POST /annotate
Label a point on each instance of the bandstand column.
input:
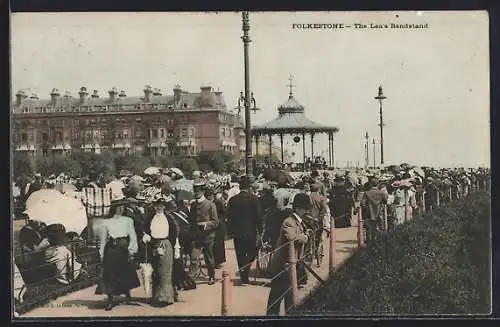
(304, 148)
(312, 147)
(333, 153)
(282, 154)
(257, 147)
(270, 149)
(330, 149)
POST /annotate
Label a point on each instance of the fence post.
(226, 294)
(292, 266)
(450, 194)
(406, 205)
(438, 194)
(333, 246)
(386, 224)
(423, 201)
(72, 260)
(361, 231)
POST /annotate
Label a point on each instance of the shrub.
(437, 264)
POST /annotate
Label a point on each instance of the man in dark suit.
(292, 230)
(245, 217)
(204, 221)
(372, 209)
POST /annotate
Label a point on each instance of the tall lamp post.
(380, 97)
(247, 97)
(367, 150)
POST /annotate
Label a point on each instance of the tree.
(217, 161)
(22, 164)
(164, 161)
(187, 165)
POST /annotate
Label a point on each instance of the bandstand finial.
(290, 85)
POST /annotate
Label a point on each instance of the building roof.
(69, 103)
(291, 119)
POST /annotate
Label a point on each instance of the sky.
(436, 79)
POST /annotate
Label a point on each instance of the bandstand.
(292, 121)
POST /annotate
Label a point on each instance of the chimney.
(54, 95)
(83, 94)
(20, 96)
(34, 96)
(112, 94)
(177, 93)
(148, 91)
(157, 92)
(95, 94)
(122, 94)
(205, 91)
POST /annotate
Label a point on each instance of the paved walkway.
(249, 300)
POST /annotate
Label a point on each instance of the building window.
(184, 132)
(138, 133)
(45, 137)
(162, 133)
(58, 136)
(125, 134)
(154, 133)
(31, 136)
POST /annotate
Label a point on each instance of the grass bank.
(437, 264)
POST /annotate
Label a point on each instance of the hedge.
(439, 263)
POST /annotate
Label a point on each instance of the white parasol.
(419, 171)
(147, 274)
(137, 178)
(152, 171)
(177, 171)
(68, 211)
(44, 194)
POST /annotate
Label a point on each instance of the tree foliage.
(80, 163)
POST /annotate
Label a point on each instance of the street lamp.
(367, 150)
(241, 100)
(380, 97)
(247, 99)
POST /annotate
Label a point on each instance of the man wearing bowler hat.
(204, 220)
(244, 214)
(292, 230)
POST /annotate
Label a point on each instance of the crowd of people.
(154, 220)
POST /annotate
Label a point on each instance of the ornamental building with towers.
(182, 123)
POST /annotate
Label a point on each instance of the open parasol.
(137, 178)
(152, 171)
(403, 183)
(177, 171)
(44, 194)
(68, 211)
(419, 171)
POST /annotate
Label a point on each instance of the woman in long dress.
(118, 244)
(161, 232)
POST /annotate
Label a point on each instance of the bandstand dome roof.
(292, 119)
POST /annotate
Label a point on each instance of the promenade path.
(205, 300)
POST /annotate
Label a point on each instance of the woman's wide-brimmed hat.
(161, 198)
